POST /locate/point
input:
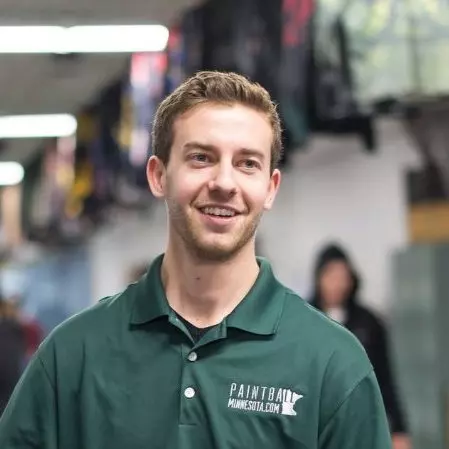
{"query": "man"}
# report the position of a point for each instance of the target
(337, 286)
(208, 349)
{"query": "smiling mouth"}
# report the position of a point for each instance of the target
(218, 212)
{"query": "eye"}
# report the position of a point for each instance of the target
(250, 164)
(200, 158)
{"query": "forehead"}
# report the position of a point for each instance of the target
(336, 267)
(227, 127)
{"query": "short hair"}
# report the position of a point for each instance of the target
(213, 87)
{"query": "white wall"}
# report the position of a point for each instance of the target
(333, 191)
(133, 239)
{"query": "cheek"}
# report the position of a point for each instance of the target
(184, 188)
(330, 282)
(325, 284)
(258, 195)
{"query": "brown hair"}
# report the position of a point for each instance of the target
(216, 87)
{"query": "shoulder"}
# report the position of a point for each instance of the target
(338, 351)
(95, 320)
(90, 328)
(322, 333)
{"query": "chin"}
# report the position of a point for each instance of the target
(216, 252)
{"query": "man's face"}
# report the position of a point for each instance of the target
(218, 181)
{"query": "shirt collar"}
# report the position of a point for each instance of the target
(261, 309)
(150, 301)
(259, 312)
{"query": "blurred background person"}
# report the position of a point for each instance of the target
(336, 287)
(12, 351)
(32, 331)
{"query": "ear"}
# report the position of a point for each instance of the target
(156, 176)
(273, 188)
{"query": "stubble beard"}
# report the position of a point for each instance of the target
(206, 250)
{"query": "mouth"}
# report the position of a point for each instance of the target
(216, 211)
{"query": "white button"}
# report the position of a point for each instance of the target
(193, 356)
(189, 392)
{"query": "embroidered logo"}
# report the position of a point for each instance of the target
(257, 398)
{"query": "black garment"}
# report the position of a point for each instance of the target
(244, 36)
(192, 37)
(332, 104)
(371, 332)
(195, 332)
(12, 357)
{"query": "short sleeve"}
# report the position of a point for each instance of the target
(30, 419)
(360, 421)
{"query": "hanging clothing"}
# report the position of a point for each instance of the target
(333, 107)
(192, 32)
(398, 49)
(244, 36)
(297, 21)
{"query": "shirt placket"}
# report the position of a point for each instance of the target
(192, 397)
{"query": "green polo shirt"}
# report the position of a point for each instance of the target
(125, 374)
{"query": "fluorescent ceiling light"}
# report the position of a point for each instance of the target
(11, 173)
(83, 39)
(35, 126)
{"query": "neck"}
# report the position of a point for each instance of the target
(333, 305)
(205, 292)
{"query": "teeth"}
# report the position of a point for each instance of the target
(219, 212)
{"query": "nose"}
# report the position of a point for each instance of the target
(223, 181)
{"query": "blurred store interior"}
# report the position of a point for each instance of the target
(362, 88)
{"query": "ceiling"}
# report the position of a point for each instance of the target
(31, 84)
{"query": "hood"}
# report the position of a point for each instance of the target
(331, 253)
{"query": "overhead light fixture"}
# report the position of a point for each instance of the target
(83, 39)
(11, 173)
(37, 126)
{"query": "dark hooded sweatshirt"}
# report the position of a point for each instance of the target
(371, 332)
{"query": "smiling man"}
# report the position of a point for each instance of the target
(207, 350)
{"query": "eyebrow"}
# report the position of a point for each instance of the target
(208, 147)
(198, 146)
(254, 153)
